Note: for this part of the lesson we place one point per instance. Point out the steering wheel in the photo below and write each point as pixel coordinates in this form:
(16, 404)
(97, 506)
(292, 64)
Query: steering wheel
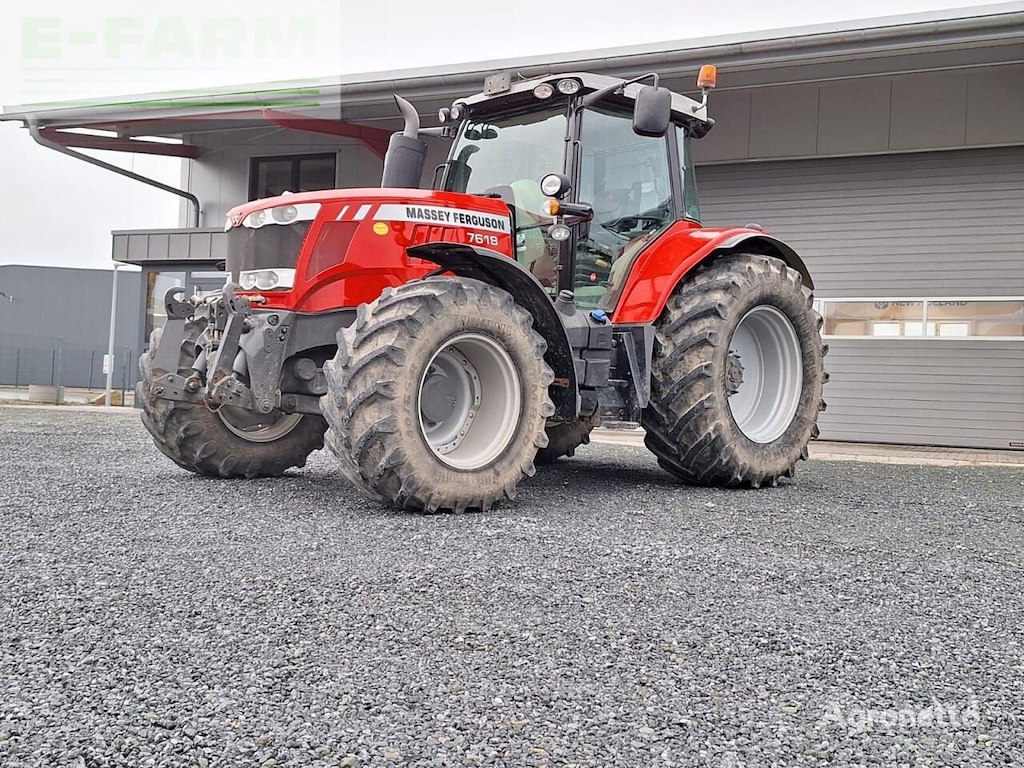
(624, 225)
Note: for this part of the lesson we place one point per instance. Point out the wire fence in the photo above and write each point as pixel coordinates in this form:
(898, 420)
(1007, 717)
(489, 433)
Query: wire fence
(66, 365)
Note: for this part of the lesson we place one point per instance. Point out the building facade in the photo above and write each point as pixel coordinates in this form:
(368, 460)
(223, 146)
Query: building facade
(39, 345)
(890, 154)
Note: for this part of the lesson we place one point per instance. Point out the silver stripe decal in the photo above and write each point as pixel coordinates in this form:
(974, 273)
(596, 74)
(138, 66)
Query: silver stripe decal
(443, 216)
(361, 213)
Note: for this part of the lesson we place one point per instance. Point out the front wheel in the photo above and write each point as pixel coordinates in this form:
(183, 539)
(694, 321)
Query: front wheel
(737, 375)
(438, 396)
(229, 442)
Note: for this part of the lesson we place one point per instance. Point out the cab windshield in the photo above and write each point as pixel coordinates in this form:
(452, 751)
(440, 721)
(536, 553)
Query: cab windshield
(507, 157)
(496, 153)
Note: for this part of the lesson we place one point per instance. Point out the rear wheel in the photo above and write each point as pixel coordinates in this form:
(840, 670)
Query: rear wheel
(737, 375)
(438, 395)
(229, 442)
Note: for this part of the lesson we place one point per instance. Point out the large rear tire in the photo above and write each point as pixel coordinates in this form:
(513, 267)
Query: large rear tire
(438, 396)
(737, 375)
(230, 442)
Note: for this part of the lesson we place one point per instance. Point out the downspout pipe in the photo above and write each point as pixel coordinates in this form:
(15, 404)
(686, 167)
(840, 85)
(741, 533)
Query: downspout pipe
(33, 129)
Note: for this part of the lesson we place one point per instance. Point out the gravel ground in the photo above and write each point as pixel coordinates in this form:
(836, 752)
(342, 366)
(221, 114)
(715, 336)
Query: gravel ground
(608, 618)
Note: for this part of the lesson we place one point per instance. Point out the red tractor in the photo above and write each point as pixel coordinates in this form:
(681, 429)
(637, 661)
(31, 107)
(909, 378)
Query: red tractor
(444, 341)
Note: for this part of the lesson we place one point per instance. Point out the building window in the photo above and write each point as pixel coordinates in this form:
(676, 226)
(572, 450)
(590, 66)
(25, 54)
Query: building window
(204, 281)
(157, 285)
(272, 176)
(967, 318)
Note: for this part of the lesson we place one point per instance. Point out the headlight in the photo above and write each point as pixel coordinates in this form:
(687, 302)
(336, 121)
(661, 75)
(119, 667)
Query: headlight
(544, 91)
(285, 213)
(281, 214)
(267, 279)
(559, 232)
(568, 86)
(255, 220)
(554, 185)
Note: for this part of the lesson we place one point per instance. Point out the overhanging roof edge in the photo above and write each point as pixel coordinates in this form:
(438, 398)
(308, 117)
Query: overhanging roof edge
(1005, 19)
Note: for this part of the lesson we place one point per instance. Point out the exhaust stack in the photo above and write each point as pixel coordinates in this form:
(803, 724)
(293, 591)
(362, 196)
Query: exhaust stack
(403, 162)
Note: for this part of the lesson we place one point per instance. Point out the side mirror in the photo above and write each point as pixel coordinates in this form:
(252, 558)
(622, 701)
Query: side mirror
(652, 112)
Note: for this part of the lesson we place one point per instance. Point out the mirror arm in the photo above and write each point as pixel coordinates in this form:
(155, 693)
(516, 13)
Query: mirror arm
(576, 211)
(441, 132)
(596, 96)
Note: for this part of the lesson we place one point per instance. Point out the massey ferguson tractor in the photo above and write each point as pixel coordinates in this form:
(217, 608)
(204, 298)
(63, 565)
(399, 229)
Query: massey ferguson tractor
(442, 342)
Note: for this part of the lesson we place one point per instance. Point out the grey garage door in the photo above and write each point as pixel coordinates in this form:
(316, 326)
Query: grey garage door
(909, 254)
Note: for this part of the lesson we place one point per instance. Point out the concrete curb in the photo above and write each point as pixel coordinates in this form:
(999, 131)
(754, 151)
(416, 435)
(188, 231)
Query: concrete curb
(867, 453)
(23, 405)
(913, 459)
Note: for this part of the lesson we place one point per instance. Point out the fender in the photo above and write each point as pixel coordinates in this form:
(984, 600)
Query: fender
(663, 264)
(508, 274)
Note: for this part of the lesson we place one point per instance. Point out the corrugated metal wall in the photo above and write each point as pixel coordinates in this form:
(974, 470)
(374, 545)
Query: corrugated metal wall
(939, 224)
(56, 322)
(939, 392)
(928, 224)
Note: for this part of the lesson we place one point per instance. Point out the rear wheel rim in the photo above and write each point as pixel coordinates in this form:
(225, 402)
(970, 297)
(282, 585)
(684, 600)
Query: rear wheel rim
(258, 427)
(768, 350)
(469, 401)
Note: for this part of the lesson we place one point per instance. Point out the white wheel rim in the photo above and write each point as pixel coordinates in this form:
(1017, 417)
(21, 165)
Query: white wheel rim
(469, 401)
(258, 427)
(767, 399)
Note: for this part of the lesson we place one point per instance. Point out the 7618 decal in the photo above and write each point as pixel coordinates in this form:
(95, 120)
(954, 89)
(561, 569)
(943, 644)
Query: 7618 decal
(478, 239)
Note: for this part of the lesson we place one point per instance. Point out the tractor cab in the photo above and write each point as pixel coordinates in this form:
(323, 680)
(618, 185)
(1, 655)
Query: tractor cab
(592, 168)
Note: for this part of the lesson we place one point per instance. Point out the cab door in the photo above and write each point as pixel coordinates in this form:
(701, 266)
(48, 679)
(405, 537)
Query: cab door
(628, 182)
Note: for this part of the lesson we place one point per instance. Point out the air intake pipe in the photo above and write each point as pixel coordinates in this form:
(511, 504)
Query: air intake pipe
(403, 162)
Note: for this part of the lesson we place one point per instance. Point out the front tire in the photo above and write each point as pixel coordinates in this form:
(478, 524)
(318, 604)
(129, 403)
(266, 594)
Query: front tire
(737, 375)
(228, 443)
(438, 396)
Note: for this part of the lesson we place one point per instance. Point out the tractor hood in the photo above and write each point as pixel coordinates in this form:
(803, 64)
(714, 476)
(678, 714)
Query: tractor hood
(318, 251)
(307, 204)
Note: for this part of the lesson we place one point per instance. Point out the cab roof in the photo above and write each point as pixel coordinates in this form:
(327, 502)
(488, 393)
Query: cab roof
(498, 96)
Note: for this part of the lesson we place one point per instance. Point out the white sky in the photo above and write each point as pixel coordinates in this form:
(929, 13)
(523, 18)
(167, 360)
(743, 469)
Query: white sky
(60, 211)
